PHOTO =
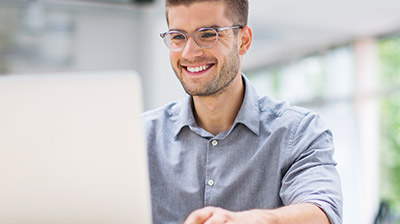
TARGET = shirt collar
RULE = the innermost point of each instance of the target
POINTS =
(248, 115)
(182, 114)
(249, 111)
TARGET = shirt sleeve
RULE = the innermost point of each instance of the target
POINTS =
(311, 176)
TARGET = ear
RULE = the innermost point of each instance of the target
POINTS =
(246, 37)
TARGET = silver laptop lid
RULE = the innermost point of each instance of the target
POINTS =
(72, 149)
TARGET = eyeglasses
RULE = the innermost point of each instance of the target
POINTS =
(204, 37)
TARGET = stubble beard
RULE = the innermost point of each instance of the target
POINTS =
(219, 82)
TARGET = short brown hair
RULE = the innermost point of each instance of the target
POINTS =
(236, 10)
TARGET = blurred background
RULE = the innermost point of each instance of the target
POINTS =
(340, 58)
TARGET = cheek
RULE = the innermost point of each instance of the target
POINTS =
(222, 52)
(228, 42)
(220, 56)
(173, 56)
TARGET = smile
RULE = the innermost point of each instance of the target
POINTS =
(195, 69)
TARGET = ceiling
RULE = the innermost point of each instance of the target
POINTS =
(287, 29)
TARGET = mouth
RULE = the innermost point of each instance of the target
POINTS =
(198, 69)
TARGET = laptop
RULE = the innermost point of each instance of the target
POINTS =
(72, 149)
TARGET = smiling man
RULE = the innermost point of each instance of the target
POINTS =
(223, 154)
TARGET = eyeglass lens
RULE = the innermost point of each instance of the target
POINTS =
(205, 38)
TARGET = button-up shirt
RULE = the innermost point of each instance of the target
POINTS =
(273, 155)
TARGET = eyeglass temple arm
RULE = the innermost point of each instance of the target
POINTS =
(230, 27)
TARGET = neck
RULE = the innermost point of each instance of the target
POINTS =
(217, 113)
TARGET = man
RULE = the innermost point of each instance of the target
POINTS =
(223, 154)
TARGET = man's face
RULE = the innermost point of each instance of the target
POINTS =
(217, 66)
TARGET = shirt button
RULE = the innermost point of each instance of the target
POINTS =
(214, 142)
(210, 182)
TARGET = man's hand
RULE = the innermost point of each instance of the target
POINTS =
(300, 213)
(214, 215)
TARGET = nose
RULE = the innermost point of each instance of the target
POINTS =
(191, 49)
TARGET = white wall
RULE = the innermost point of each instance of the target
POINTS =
(76, 37)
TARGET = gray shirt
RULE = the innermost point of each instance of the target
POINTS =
(274, 155)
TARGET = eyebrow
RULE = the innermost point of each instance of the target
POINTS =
(184, 31)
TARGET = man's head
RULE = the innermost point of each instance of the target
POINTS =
(236, 10)
(207, 69)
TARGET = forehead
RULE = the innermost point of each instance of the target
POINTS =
(197, 15)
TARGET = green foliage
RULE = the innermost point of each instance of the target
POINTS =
(276, 81)
(389, 55)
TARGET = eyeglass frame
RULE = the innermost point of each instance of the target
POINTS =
(192, 34)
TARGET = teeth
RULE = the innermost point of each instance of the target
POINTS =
(198, 69)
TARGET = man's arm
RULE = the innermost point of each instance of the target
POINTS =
(296, 214)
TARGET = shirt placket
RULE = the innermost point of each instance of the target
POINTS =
(210, 181)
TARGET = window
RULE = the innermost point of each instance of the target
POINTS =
(389, 56)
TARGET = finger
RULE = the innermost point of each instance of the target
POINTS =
(199, 216)
(217, 218)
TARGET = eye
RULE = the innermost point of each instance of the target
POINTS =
(177, 36)
(210, 34)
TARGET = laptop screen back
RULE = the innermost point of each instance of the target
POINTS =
(72, 149)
